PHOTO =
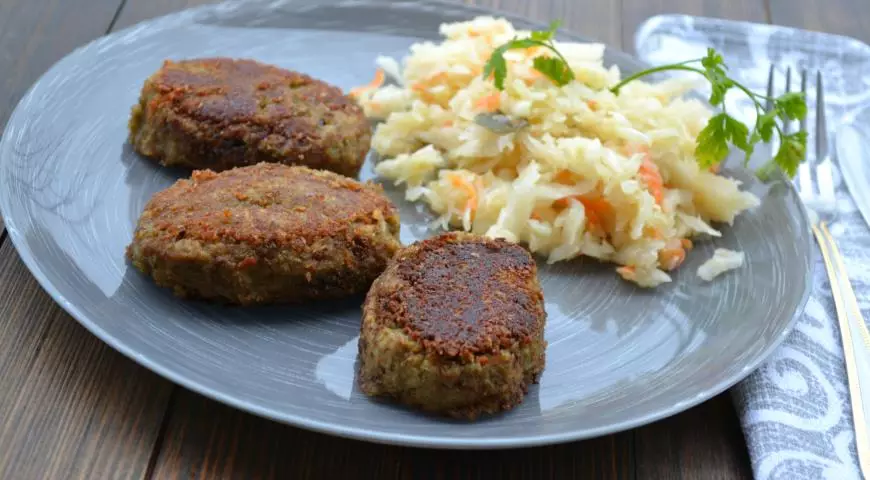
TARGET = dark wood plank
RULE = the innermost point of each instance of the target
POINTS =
(598, 20)
(36, 33)
(704, 442)
(634, 12)
(208, 440)
(70, 406)
(844, 17)
(135, 11)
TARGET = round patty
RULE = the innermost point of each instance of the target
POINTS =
(220, 113)
(455, 326)
(266, 233)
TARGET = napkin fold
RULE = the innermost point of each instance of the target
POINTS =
(795, 409)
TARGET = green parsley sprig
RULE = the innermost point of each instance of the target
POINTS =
(721, 130)
(555, 68)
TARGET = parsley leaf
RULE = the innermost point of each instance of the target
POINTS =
(543, 36)
(791, 152)
(792, 105)
(722, 130)
(555, 68)
(739, 136)
(497, 67)
(765, 124)
(713, 140)
(714, 70)
(712, 146)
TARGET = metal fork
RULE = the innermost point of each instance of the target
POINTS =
(815, 184)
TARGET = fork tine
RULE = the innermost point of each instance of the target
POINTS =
(768, 104)
(804, 92)
(821, 124)
(786, 125)
(805, 171)
(824, 167)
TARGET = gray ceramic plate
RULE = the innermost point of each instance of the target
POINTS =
(618, 357)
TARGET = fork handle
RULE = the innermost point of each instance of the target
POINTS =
(855, 339)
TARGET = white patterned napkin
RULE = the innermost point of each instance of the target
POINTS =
(795, 408)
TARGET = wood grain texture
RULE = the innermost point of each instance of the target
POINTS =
(208, 440)
(844, 17)
(70, 406)
(36, 33)
(635, 12)
(135, 11)
(704, 442)
(599, 20)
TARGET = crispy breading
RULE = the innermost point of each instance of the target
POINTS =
(220, 113)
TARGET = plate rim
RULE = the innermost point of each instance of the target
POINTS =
(355, 433)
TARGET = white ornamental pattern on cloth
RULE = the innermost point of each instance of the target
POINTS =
(795, 408)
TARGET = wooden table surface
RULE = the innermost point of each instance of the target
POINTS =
(71, 407)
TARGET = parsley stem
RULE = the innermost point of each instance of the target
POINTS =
(752, 95)
(643, 73)
(765, 171)
(552, 47)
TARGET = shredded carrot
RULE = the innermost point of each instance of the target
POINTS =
(564, 176)
(596, 210)
(687, 244)
(714, 168)
(562, 202)
(472, 32)
(379, 79)
(421, 88)
(597, 205)
(672, 258)
(626, 271)
(448, 123)
(470, 190)
(532, 51)
(488, 103)
(593, 105)
(429, 81)
(673, 255)
(655, 233)
(649, 173)
(535, 216)
(533, 77)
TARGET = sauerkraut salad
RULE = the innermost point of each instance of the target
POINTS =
(584, 171)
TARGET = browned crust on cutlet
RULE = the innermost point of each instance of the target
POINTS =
(454, 326)
(265, 204)
(266, 233)
(461, 294)
(220, 113)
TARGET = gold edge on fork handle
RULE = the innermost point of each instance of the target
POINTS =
(829, 249)
(850, 295)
